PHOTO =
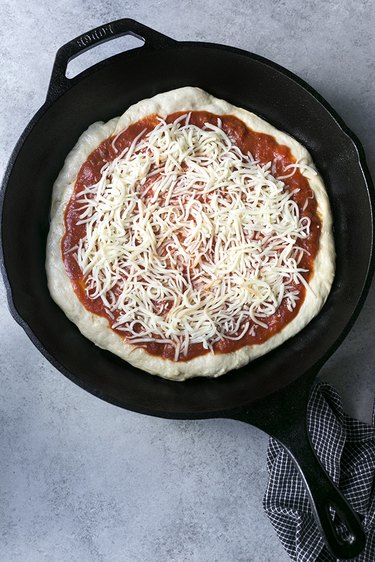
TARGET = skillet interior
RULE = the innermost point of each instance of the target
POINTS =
(105, 91)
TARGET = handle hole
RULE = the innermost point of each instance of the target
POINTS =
(100, 52)
(340, 525)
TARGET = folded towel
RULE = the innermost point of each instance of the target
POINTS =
(346, 448)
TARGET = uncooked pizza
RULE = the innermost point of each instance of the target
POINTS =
(189, 236)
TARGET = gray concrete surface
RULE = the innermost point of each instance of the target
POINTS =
(83, 481)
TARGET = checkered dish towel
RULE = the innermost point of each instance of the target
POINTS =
(346, 448)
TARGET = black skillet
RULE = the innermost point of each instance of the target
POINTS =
(272, 392)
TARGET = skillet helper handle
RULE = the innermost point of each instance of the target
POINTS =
(283, 416)
(59, 83)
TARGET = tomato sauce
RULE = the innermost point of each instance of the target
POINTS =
(264, 148)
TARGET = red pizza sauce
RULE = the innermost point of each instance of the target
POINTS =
(264, 148)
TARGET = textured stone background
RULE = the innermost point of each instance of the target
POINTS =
(83, 481)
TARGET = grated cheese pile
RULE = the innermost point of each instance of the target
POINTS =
(188, 240)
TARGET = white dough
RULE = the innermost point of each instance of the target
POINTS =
(97, 328)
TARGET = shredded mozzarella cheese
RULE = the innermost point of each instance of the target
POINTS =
(188, 240)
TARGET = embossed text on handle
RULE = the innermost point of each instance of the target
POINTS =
(99, 33)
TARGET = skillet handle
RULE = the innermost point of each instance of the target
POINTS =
(59, 83)
(324, 496)
(283, 416)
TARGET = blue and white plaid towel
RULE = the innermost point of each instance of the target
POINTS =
(346, 448)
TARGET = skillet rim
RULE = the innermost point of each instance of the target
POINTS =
(339, 122)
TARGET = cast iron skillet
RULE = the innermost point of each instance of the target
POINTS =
(272, 392)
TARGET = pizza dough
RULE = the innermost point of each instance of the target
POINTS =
(97, 328)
